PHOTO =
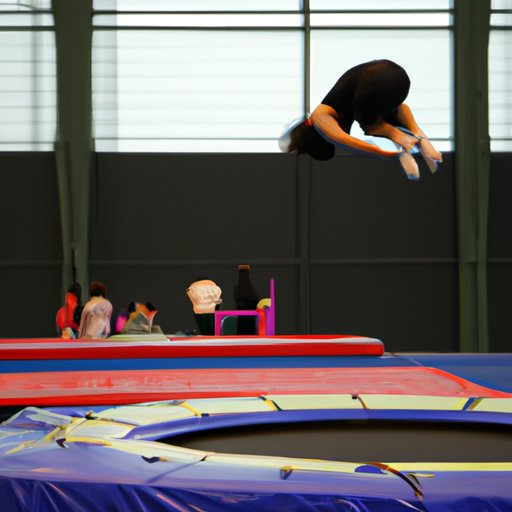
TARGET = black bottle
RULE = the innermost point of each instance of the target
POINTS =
(246, 297)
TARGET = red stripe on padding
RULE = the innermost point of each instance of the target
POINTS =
(202, 347)
(297, 337)
(128, 386)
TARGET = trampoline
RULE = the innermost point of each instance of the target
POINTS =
(329, 423)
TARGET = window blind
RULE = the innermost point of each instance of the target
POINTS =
(500, 76)
(202, 76)
(27, 76)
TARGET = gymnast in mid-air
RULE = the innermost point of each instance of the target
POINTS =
(373, 94)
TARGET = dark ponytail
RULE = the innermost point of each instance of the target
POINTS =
(306, 140)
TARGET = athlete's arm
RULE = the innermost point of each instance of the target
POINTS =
(325, 120)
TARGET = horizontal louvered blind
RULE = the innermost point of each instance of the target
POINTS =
(430, 95)
(500, 76)
(193, 90)
(215, 76)
(27, 77)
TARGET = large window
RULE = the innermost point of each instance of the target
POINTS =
(500, 76)
(195, 80)
(194, 90)
(27, 76)
(418, 51)
(208, 76)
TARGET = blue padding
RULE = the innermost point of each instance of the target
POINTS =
(220, 421)
(57, 496)
(56, 474)
(444, 493)
(489, 370)
(48, 365)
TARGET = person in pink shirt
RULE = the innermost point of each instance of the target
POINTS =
(96, 315)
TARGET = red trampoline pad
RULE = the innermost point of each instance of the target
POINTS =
(131, 386)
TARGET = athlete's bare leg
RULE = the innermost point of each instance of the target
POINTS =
(406, 119)
(383, 129)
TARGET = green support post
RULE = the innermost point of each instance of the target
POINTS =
(74, 146)
(472, 155)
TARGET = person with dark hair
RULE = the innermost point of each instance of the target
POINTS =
(68, 316)
(96, 315)
(373, 94)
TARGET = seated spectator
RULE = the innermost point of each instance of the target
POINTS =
(121, 320)
(68, 316)
(140, 319)
(205, 297)
(96, 315)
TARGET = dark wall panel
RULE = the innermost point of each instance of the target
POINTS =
(363, 207)
(154, 207)
(29, 207)
(500, 206)
(367, 221)
(30, 250)
(382, 250)
(31, 298)
(408, 307)
(500, 253)
(163, 220)
(500, 307)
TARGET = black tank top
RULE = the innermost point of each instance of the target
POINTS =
(368, 91)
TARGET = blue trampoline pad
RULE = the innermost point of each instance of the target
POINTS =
(49, 365)
(490, 370)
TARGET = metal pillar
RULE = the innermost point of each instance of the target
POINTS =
(73, 147)
(472, 154)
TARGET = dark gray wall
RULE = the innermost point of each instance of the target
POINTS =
(500, 253)
(375, 251)
(383, 253)
(163, 220)
(30, 250)
(354, 247)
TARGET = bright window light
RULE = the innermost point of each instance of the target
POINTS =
(203, 76)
